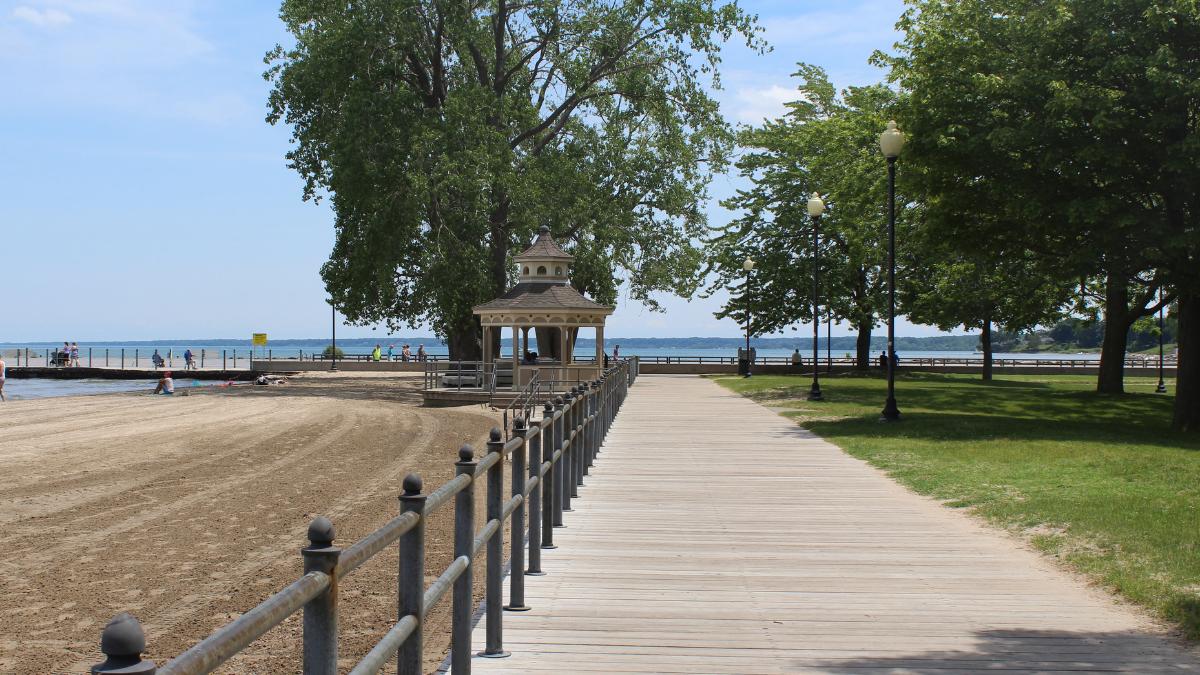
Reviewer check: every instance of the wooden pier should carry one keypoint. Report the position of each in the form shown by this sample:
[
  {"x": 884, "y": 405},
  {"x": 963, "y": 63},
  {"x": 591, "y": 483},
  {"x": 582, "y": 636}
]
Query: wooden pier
[{"x": 714, "y": 536}]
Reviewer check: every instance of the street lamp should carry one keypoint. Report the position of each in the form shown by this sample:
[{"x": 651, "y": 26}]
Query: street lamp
[
  {"x": 815, "y": 208},
  {"x": 748, "y": 266},
  {"x": 891, "y": 142},
  {"x": 1162, "y": 385}
]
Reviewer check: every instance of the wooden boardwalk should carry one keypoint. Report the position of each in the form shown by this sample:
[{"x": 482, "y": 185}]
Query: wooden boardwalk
[{"x": 714, "y": 536}]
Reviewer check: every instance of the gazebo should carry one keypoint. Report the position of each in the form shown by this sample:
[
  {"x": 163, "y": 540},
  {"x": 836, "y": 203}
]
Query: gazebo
[{"x": 544, "y": 300}]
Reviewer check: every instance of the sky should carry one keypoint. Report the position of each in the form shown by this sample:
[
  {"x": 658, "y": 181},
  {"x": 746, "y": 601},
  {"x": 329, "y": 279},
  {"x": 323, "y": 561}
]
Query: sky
[{"x": 143, "y": 195}]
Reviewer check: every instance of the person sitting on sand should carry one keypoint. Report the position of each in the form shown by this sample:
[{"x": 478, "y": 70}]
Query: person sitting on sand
[{"x": 166, "y": 385}]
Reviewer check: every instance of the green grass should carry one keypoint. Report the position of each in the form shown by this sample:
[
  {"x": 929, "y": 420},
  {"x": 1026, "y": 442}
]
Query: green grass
[{"x": 1097, "y": 481}]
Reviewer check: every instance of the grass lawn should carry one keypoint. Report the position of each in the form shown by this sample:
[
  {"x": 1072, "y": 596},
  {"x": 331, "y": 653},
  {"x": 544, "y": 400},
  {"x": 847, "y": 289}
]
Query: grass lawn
[{"x": 1098, "y": 481}]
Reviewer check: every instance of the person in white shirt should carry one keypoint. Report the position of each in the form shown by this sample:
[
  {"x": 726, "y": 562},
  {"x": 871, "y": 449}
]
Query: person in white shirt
[
  {"x": 3, "y": 367},
  {"x": 166, "y": 385}
]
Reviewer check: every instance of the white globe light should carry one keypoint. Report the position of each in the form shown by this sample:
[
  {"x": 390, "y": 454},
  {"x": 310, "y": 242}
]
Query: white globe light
[
  {"x": 815, "y": 206},
  {"x": 891, "y": 141},
  {"x": 748, "y": 265}
]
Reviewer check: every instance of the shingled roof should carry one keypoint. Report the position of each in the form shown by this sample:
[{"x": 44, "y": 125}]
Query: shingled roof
[
  {"x": 544, "y": 248},
  {"x": 541, "y": 296}
]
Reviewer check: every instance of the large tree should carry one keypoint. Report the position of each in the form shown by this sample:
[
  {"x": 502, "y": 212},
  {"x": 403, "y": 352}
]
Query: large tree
[
  {"x": 1074, "y": 121},
  {"x": 446, "y": 133},
  {"x": 827, "y": 142}
]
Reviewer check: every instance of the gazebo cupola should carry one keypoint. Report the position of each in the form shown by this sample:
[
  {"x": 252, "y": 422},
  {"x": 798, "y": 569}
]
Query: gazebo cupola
[{"x": 544, "y": 300}]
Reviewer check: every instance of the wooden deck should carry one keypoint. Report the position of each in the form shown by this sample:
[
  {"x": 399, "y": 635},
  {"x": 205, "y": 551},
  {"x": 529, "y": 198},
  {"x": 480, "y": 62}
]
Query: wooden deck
[{"x": 715, "y": 536}]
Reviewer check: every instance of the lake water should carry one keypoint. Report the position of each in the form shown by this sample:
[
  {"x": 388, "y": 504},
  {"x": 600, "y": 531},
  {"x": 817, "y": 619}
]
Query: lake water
[{"x": 27, "y": 388}]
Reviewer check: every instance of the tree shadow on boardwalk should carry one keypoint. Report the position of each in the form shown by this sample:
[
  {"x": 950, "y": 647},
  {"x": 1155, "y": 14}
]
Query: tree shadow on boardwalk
[{"x": 1015, "y": 650}]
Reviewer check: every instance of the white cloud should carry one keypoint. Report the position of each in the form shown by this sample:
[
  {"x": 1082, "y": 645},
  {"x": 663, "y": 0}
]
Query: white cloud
[
  {"x": 754, "y": 104},
  {"x": 45, "y": 17}
]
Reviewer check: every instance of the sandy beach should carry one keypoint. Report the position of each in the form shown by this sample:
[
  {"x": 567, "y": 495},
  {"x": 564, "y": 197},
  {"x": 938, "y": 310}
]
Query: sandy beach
[{"x": 188, "y": 510}]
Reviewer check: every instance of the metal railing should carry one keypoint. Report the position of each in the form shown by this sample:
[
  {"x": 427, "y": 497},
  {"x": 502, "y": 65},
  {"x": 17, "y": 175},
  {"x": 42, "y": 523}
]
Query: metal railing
[
  {"x": 935, "y": 361},
  {"x": 549, "y": 460}
]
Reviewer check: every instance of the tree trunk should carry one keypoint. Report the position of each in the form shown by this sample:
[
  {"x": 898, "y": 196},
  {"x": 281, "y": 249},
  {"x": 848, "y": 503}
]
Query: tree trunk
[
  {"x": 1187, "y": 373},
  {"x": 862, "y": 356},
  {"x": 464, "y": 344},
  {"x": 1116, "y": 332},
  {"x": 985, "y": 341}
]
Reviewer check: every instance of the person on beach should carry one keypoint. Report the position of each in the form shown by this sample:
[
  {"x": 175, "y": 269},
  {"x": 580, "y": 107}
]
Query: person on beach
[
  {"x": 390, "y": 356},
  {"x": 406, "y": 353},
  {"x": 421, "y": 352},
  {"x": 616, "y": 352},
  {"x": 74, "y": 352},
  {"x": 166, "y": 385},
  {"x": 189, "y": 359},
  {"x": 156, "y": 359},
  {"x": 3, "y": 367},
  {"x": 377, "y": 353}
]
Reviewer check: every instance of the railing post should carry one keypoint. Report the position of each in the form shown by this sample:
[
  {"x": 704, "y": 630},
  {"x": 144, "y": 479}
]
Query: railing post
[
  {"x": 494, "y": 581},
  {"x": 593, "y": 427},
  {"x": 560, "y": 477},
  {"x": 569, "y": 489},
  {"x": 122, "y": 642},
  {"x": 464, "y": 542},
  {"x": 201, "y": 358},
  {"x": 320, "y": 614},
  {"x": 534, "y": 446},
  {"x": 579, "y": 448},
  {"x": 516, "y": 566},
  {"x": 548, "y": 501},
  {"x": 411, "y": 578}
]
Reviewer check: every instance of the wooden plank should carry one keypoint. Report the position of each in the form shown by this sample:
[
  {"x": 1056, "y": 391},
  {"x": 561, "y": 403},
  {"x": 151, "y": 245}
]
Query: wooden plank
[{"x": 715, "y": 536}]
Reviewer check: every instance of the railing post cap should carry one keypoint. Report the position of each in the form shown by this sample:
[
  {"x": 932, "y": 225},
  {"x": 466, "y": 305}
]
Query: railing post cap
[
  {"x": 495, "y": 435},
  {"x": 558, "y": 401},
  {"x": 320, "y": 532},
  {"x": 547, "y": 408},
  {"x": 122, "y": 641},
  {"x": 466, "y": 454},
  {"x": 412, "y": 485},
  {"x": 519, "y": 423}
]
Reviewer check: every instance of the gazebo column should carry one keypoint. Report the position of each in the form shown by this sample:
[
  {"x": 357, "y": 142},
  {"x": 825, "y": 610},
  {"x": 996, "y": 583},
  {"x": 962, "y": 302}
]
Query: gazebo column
[
  {"x": 487, "y": 344},
  {"x": 516, "y": 371},
  {"x": 599, "y": 346}
]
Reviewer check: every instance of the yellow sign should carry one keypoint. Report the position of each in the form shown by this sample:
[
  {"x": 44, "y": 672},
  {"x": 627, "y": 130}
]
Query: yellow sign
[{"x": 259, "y": 339}]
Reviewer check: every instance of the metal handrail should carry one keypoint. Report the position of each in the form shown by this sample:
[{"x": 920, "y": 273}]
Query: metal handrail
[{"x": 549, "y": 459}]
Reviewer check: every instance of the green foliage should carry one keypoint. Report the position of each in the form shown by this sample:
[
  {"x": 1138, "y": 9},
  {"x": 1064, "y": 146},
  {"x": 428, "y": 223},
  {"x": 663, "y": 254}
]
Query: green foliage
[
  {"x": 332, "y": 352},
  {"x": 1089, "y": 478},
  {"x": 826, "y": 143},
  {"x": 446, "y": 134}
]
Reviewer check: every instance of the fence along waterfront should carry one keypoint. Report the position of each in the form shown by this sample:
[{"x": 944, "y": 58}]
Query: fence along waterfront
[{"x": 549, "y": 459}]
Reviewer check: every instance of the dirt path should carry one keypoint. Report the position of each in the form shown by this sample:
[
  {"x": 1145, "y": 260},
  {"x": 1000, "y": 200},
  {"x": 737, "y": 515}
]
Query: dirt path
[{"x": 189, "y": 510}]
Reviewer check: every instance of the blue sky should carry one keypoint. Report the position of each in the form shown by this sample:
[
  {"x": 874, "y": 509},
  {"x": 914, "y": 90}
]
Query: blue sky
[{"x": 143, "y": 196}]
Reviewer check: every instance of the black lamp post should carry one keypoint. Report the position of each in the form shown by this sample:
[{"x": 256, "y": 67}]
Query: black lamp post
[
  {"x": 748, "y": 266},
  {"x": 333, "y": 337},
  {"x": 891, "y": 142},
  {"x": 815, "y": 208},
  {"x": 1162, "y": 385}
]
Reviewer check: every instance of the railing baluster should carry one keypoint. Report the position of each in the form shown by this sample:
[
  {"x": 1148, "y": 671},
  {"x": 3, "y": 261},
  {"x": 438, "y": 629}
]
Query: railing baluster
[
  {"x": 411, "y": 584},
  {"x": 560, "y": 478},
  {"x": 548, "y": 481},
  {"x": 494, "y": 586},
  {"x": 320, "y": 614},
  {"x": 516, "y": 574},
  {"x": 464, "y": 543}
]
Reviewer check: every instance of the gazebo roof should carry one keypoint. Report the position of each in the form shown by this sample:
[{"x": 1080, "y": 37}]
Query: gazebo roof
[
  {"x": 542, "y": 296},
  {"x": 544, "y": 248}
]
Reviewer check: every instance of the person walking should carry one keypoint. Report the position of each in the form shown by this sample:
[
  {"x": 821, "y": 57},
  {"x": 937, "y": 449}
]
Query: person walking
[
  {"x": 189, "y": 359},
  {"x": 616, "y": 352},
  {"x": 421, "y": 352},
  {"x": 74, "y": 352},
  {"x": 883, "y": 360},
  {"x": 377, "y": 353},
  {"x": 3, "y": 368},
  {"x": 391, "y": 357}
]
